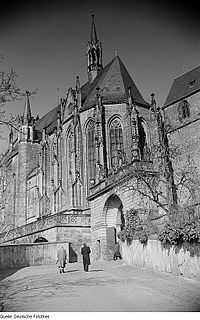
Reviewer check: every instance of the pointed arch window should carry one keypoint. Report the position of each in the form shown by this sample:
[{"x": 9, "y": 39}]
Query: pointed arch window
[
  {"x": 143, "y": 140},
  {"x": 116, "y": 142},
  {"x": 78, "y": 147},
  {"x": 69, "y": 153},
  {"x": 91, "y": 149},
  {"x": 54, "y": 161},
  {"x": 183, "y": 110},
  {"x": 44, "y": 163}
]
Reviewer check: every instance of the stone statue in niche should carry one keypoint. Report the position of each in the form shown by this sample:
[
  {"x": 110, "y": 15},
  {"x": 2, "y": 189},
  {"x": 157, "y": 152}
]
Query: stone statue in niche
[{"x": 100, "y": 173}]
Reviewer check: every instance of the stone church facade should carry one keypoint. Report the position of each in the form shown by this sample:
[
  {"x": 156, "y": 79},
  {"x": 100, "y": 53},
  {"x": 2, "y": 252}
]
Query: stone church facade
[{"x": 61, "y": 176}]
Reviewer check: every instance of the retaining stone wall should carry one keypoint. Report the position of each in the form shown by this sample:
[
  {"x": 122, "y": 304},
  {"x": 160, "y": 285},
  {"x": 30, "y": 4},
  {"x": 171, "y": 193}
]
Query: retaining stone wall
[
  {"x": 23, "y": 255},
  {"x": 153, "y": 255}
]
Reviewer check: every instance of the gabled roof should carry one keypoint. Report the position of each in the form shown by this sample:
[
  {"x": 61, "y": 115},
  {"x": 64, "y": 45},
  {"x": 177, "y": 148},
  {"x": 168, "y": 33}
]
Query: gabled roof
[
  {"x": 184, "y": 86},
  {"x": 48, "y": 121},
  {"x": 113, "y": 81}
]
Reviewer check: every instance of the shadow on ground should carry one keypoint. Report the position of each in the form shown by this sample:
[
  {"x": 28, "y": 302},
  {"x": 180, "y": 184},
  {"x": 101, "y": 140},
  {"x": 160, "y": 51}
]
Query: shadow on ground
[
  {"x": 7, "y": 273},
  {"x": 71, "y": 270}
]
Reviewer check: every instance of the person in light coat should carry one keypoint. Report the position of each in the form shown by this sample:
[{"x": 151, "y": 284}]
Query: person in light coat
[{"x": 61, "y": 259}]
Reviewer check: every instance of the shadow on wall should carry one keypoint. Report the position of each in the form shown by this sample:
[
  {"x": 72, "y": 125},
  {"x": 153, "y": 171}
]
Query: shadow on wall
[{"x": 72, "y": 254}]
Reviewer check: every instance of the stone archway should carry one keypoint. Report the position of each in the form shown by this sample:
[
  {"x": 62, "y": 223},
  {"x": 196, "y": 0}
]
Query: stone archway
[{"x": 114, "y": 221}]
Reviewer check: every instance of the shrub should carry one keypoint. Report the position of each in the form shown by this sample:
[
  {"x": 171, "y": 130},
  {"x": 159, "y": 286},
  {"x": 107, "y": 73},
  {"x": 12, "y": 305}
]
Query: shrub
[
  {"x": 184, "y": 227},
  {"x": 134, "y": 228}
]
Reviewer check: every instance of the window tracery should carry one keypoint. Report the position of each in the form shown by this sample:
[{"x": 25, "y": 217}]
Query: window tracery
[
  {"x": 117, "y": 154},
  {"x": 143, "y": 140},
  {"x": 91, "y": 149}
]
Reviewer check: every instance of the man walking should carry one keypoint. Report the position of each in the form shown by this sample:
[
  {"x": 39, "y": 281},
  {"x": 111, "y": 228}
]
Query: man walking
[
  {"x": 61, "y": 259},
  {"x": 85, "y": 251},
  {"x": 117, "y": 253}
]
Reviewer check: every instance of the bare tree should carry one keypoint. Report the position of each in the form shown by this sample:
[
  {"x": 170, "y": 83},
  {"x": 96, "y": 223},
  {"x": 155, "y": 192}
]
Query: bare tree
[
  {"x": 9, "y": 92},
  {"x": 6, "y": 177},
  {"x": 165, "y": 180},
  {"x": 8, "y": 87}
]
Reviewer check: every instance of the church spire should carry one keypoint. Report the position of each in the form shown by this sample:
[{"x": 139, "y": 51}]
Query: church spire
[
  {"x": 27, "y": 110},
  {"x": 93, "y": 31},
  {"x": 26, "y": 134},
  {"x": 94, "y": 53}
]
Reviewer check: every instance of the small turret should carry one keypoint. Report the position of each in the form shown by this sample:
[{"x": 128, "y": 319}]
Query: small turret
[
  {"x": 27, "y": 122},
  {"x": 94, "y": 53},
  {"x": 133, "y": 112}
]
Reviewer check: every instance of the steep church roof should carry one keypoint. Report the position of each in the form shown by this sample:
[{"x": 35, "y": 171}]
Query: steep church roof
[
  {"x": 184, "y": 86},
  {"x": 113, "y": 81},
  {"x": 48, "y": 121}
]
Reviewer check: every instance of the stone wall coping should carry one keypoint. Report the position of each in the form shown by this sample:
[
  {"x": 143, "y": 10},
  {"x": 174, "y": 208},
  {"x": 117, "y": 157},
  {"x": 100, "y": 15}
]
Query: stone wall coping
[
  {"x": 48, "y": 222},
  {"x": 32, "y": 244}
]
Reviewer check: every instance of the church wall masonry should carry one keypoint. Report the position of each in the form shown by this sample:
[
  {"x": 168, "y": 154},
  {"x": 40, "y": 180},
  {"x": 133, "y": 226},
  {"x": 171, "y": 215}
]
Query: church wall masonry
[
  {"x": 28, "y": 160},
  {"x": 173, "y": 117},
  {"x": 184, "y": 137},
  {"x": 72, "y": 228},
  {"x": 99, "y": 216}
]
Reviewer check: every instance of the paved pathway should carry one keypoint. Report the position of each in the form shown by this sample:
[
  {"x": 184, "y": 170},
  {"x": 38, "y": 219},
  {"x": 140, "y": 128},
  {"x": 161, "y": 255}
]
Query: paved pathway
[{"x": 109, "y": 286}]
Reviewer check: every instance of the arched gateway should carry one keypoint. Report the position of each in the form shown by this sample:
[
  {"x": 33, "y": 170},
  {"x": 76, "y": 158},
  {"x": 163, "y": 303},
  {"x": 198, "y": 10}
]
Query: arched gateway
[{"x": 114, "y": 221}]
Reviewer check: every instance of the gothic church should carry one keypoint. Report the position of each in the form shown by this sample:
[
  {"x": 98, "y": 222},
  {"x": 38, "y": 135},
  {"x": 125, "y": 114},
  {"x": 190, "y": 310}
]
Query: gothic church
[{"x": 62, "y": 177}]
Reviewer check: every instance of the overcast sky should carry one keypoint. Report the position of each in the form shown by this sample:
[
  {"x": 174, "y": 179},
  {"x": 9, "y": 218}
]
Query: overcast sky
[{"x": 45, "y": 42}]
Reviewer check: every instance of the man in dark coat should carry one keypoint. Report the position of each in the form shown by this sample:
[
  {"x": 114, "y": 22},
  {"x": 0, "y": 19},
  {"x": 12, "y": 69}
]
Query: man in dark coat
[
  {"x": 85, "y": 251},
  {"x": 61, "y": 259},
  {"x": 117, "y": 253}
]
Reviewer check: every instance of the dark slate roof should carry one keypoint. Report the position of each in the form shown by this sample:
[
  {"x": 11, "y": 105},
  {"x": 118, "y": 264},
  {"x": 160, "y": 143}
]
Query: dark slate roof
[
  {"x": 48, "y": 121},
  {"x": 184, "y": 86},
  {"x": 113, "y": 82}
]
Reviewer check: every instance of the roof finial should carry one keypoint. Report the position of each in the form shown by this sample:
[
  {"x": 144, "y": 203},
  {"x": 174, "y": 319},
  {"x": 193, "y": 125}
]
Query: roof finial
[
  {"x": 116, "y": 53},
  {"x": 153, "y": 101},
  {"x": 27, "y": 109},
  {"x": 130, "y": 100},
  {"x": 92, "y": 14},
  {"x": 77, "y": 83},
  {"x": 58, "y": 95}
]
